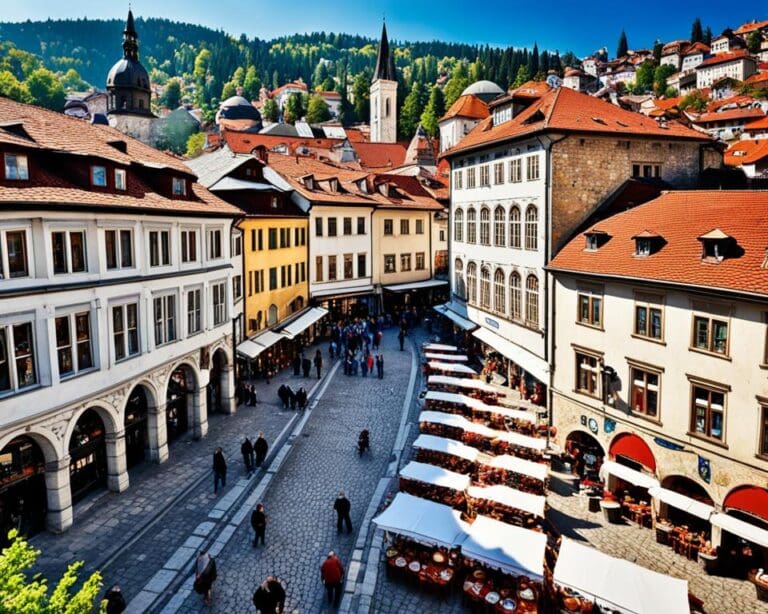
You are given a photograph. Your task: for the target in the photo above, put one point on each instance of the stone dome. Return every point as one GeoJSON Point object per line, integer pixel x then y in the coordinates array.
{"type": "Point", "coordinates": [238, 107]}
{"type": "Point", "coordinates": [128, 73]}
{"type": "Point", "coordinates": [485, 90]}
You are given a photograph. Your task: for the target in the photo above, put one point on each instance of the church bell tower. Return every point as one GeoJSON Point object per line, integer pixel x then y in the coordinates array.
{"type": "Point", "coordinates": [384, 95]}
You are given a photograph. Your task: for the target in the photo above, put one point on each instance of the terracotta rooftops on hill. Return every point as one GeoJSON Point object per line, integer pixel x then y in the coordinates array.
{"type": "Point", "coordinates": [729, 115]}
{"type": "Point", "coordinates": [747, 151]}
{"type": "Point", "coordinates": [566, 110]}
{"type": "Point", "coordinates": [468, 106]}
{"type": "Point", "coordinates": [686, 221]}
{"type": "Point", "coordinates": [378, 155]}
{"type": "Point", "coordinates": [722, 58]}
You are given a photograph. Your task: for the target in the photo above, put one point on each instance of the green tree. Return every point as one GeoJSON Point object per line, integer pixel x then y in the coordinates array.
{"type": "Point", "coordinates": [20, 593]}
{"type": "Point", "coordinates": [694, 101]}
{"type": "Point", "coordinates": [533, 61]}
{"type": "Point", "coordinates": [361, 97]}
{"type": "Point", "coordinates": [458, 82]}
{"type": "Point", "coordinates": [251, 84]}
{"type": "Point", "coordinates": [623, 46]}
{"type": "Point", "coordinates": [12, 88]}
{"type": "Point", "coordinates": [172, 94]}
{"type": "Point", "coordinates": [72, 81]}
{"type": "Point", "coordinates": [413, 107]}
{"type": "Point", "coordinates": [195, 144]}
{"type": "Point", "coordinates": [294, 108]}
{"type": "Point", "coordinates": [45, 89]}
{"type": "Point", "coordinates": [317, 110]}
{"type": "Point", "coordinates": [522, 76]}
{"type": "Point", "coordinates": [660, 75]}
{"type": "Point", "coordinates": [754, 40]}
{"type": "Point", "coordinates": [697, 33]}
{"type": "Point", "coordinates": [707, 36]}
{"type": "Point", "coordinates": [229, 90]}
{"type": "Point", "coordinates": [270, 111]}
{"type": "Point", "coordinates": [644, 77]}
{"type": "Point", "coordinates": [657, 49]}
{"type": "Point", "coordinates": [434, 110]}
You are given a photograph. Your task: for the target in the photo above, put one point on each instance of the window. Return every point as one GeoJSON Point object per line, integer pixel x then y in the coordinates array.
{"type": "Point", "coordinates": [470, 177]}
{"type": "Point", "coordinates": [273, 278]}
{"type": "Point", "coordinates": [532, 301]}
{"type": "Point", "coordinates": [405, 227]}
{"type": "Point", "coordinates": [296, 237]}
{"type": "Point", "coordinates": [188, 245]}
{"type": "Point", "coordinates": [120, 179]}
{"type": "Point", "coordinates": [68, 251]}
{"type": "Point", "coordinates": [515, 171]}
{"type": "Point", "coordinates": [219, 301]}
{"type": "Point", "coordinates": [459, 287]}
{"type": "Point", "coordinates": [485, 226]}
{"type": "Point", "coordinates": [272, 238]}
{"type": "Point", "coordinates": [73, 350]}
{"type": "Point", "coordinates": [361, 265]}
{"type": "Point", "coordinates": [707, 411]}
{"type": "Point", "coordinates": [125, 330]}
{"type": "Point", "coordinates": [15, 258]}
{"type": "Point", "coordinates": [303, 271]}
{"type": "Point", "coordinates": [763, 450]}
{"type": "Point", "coordinates": [710, 335]}
{"type": "Point", "coordinates": [16, 167]}
{"type": "Point", "coordinates": [514, 227]}
{"type": "Point", "coordinates": [347, 225]}
{"type": "Point", "coordinates": [331, 268]}
{"type": "Point", "coordinates": [165, 319]}
{"type": "Point", "coordinates": [237, 287]}
{"type": "Point", "coordinates": [642, 246]}
{"type": "Point", "coordinates": [641, 169]}
{"type": "Point", "coordinates": [405, 262]}
{"type": "Point", "coordinates": [472, 283]}
{"type": "Point", "coordinates": [389, 263]}
{"type": "Point", "coordinates": [274, 202]}
{"type": "Point", "coordinates": [388, 227]}
{"type": "Point", "coordinates": [590, 309]}
{"type": "Point", "coordinates": [285, 237]}
{"type": "Point", "coordinates": [159, 248]}
{"type": "Point", "coordinates": [17, 357]}
{"type": "Point", "coordinates": [420, 261]}
{"type": "Point", "coordinates": [471, 226]}
{"type": "Point", "coordinates": [499, 293]}
{"type": "Point", "coordinates": [458, 179]}
{"type": "Point", "coordinates": [532, 168]}
{"type": "Point", "coordinates": [261, 239]}
{"type": "Point", "coordinates": [303, 236]}
{"type": "Point", "coordinates": [179, 186]}
{"type": "Point", "coordinates": [331, 226]}
{"type": "Point", "coordinates": [485, 289]}
{"type": "Point", "coordinates": [119, 248]}
{"type": "Point", "coordinates": [587, 374]}
{"type": "Point", "coordinates": [644, 397]}
{"type": "Point", "coordinates": [419, 227]}
{"type": "Point", "coordinates": [237, 245]}
{"type": "Point", "coordinates": [499, 227]}
{"type": "Point", "coordinates": [498, 173]}
{"type": "Point", "coordinates": [99, 176]}
{"type": "Point", "coordinates": [441, 235]}
{"type": "Point", "coordinates": [458, 225]}
{"type": "Point", "coordinates": [361, 225]}
{"type": "Point", "coordinates": [484, 176]}
{"type": "Point", "coordinates": [318, 268]}
{"type": "Point", "coordinates": [272, 315]}
{"type": "Point", "coordinates": [349, 272]}
{"type": "Point", "coordinates": [591, 242]}
{"type": "Point", "coordinates": [194, 311]}
{"type": "Point", "coordinates": [531, 228]}
{"type": "Point", "coordinates": [515, 296]}
{"type": "Point", "coordinates": [648, 320]}
{"type": "Point", "coordinates": [318, 227]}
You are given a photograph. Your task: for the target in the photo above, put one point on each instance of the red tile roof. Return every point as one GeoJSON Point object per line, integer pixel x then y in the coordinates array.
{"type": "Point", "coordinates": [747, 151]}
{"type": "Point", "coordinates": [697, 48]}
{"type": "Point", "coordinates": [728, 115]}
{"type": "Point", "coordinates": [246, 142]}
{"type": "Point", "coordinates": [751, 27]}
{"type": "Point", "coordinates": [355, 135]}
{"type": "Point", "coordinates": [292, 85]}
{"type": "Point", "coordinates": [667, 103]}
{"type": "Point", "coordinates": [469, 106]}
{"type": "Point", "coordinates": [566, 110]}
{"type": "Point", "coordinates": [757, 124]}
{"type": "Point", "coordinates": [759, 77]}
{"type": "Point", "coordinates": [380, 155]}
{"type": "Point", "coordinates": [739, 100]}
{"type": "Point", "coordinates": [722, 58]}
{"type": "Point", "coordinates": [681, 217]}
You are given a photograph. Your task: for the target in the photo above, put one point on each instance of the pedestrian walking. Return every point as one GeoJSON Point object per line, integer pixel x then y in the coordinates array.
{"type": "Point", "coordinates": [364, 366]}
{"type": "Point", "coordinates": [318, 363]}
{"type": "Point", "coordinates": [252, 400]}
{"type": "Point", "coordinates": [278, 593]}
{"type": "Point", "coordinates": [332, 573]}
{"type": "Point", "coordinates": [297, 365]}
{"type": "Point", "coordinates": [260, 447]}
{"type": "Point", "coordinates": [380, 366]}
{"type": "Point", "coordinates": [342, 507]}
{"type": "Point", "coordinates": [205, 576]}
{"type": "Point", "coordinates": [259, 524]}
{"type": "Point", "coordinates": [246, 449]}
{"type": "Point", "coordinates": [306, 366]}
{"type": "Point", "coordinates": [401, 338]}
{"type": "Point", "coordinates": [269, 597]}
{"type": "Point", "coordinates": [301, 398]}
{"type": "Point", "coordinates": [114, 602]}
{"type": "Point", "coordinates": [370, 362]}
{"type": "Point", "coordinates": [219, 470]}
{"type": "Point", "coordinates": [332, 350]}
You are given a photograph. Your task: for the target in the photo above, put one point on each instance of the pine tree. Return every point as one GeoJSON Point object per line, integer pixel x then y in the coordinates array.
{"type": "Point", "coordinates": [294, 108]}
{"type": "Point", "coordinates": [697, 35]}
{"type": "Point", "coordinates": [533, 61]}
{"type": "Point", "coordinates": [522, 76]}
{"type": "Point", "coordinates": [657, 48]}
{"type": "Point", "coordinates": [317, 110]}
{"type": "Point", "coordinates": [623, 46]}
{"type": "Point", "coordinates": [270, 111]}
{"type": "Point", "coordinates": [434, 110]}
{"type": "Point", "coordinates": [708, 36]}
{"type": "Point", "coordinates": [458, 82]}
{"type": "Point", "coordinates": [413, 107]}
{"type": "Point", "coordinates": [361, 96]}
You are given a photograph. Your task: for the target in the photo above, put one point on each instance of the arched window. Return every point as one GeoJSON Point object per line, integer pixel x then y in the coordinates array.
{"type": "Point", "coordinates": [471, 226]}
{"type": "Point", "coordinates": [459, 287]}
{"type": "Point", "coordinates": [499, 227]}
{"type": "Point", "coordinates": [472, 283]}
{"type": "Point", "coordinates": [531, 228]}
{"type": "Point", "coordinates": [515, 298]}
{"type": "Point", "coordinates": [272, 315]}
{"type": "Point", "coordinates": [532, 301]}
{"type": "Point", "coordinates": [485, 226]}
{"type": "Point", "coordinates": [514, 227]}
{"type": "Point", "coordinates": [458, 225]}
{"type": "Point", "coordinates": [499, 293]}
{"type": "Point", "coordinates": [485, 288]}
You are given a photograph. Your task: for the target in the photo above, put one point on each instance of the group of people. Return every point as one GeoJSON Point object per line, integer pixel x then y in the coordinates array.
{"type": "Point", "coordinates": [365, 362]}
{"type": "Point", "coordinates": [246, 394]}
{"type": "Point", "coordinates": [303, 365]}
{"type": "Point", "coordinates": [254, 453]}
{"type": "Point", "coordinates": [291, 399]}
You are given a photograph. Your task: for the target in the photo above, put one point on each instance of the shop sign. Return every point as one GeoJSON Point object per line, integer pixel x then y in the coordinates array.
{"type": "Point", "coordinates": [491, 322]}
{"type": "Point", "coordinates": [705, 471]}
{"type": "Point", "coordinates": [609, 425]}
{"type": "Point", "coordinates": [669, 445]}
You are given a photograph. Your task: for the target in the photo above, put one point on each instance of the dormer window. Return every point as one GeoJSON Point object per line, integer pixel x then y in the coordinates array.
{"type": "Point", "coordinates": [647, 243]}
{"type": "Point", "coordinates": [179, 186]}
{"type": "Point", "coordinates": [642, 247]}
{"type": "Point", "coordinates": [715, 245]}
{"type": "Point", "coordinates": [99, 176]}
{"type": "Point", "coordinates": [120, 179]}
{"type": "Point", "coordinates": [16, 167]}
{"type": "Point", "coordinates": [309, 182]}
{"type": "Point", "coordinates": [595, 239]}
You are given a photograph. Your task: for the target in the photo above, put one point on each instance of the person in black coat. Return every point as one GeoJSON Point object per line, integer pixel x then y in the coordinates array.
{"type": "Point", "coordinates": [296, 365]}
{"type": "Point", "coordinates": [278, 593]}
{"type": "Point", "coordinates": [260, 447]}
{"type": "Point", "coordinates": [259, 524]}
{"type": "Point", "coordinates": [269, 597]}
{"type": "Point", "coordinates": [246, 449]}
{"type": "Point", "coordinates": [252, 395]}
{"type": "Point", "coordinates": [401, 338]}
{"type": "Point", "coordinates": [342, 507]}
{"type": "Point", "coordinates": [219, 470]}
{"type": "Point", "coordinates": [205, 576]}
{"type": "Point", "coordinates": [301, 398]}
{"type": "Point", "coordinates": [306, 366]}
{"type": "Point", "coordinates": [115, 602]}
{"type": "Point", "coordinates": [318, 363]}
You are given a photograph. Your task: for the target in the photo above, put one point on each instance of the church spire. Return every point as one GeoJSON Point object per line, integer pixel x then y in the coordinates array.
{"type": "Point", "coordinates": [130, 39]}
{"type": "Point", "coordinates": [385, 62]}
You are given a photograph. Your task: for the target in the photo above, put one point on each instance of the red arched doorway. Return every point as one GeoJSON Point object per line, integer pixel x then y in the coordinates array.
{"type": "Point", "coordinates": [749, 503]}
{"type": "Point", "coordinates": [689, 517]}
{"type": "Point", "coordinates": [23, 496]}
{"type": "Point", "coordinates": [630, 450]}
{"type": "Point", "coordinates": [585, 454]}
{"type": "Point", "coordinates": [88, 455]}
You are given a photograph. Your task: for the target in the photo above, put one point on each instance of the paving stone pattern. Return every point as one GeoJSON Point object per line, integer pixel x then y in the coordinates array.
{"type": "Point", "coordinates": [301, 526]}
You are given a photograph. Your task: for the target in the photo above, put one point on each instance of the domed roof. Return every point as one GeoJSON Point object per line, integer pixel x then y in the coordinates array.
{"type": "Point", "coordinates": [480, 88]}
{"type": "Point", "coordinates": [237, 107]}
{"type": "Point", "coordinates": [128, 73]}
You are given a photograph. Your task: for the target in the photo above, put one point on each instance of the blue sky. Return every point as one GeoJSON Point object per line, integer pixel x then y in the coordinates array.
{"type": "Point", "coordinates": [579, 26]}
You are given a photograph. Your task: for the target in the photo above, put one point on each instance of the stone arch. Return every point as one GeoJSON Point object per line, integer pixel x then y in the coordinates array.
{"type": "Point", "coordinates": [580, 445]}
{"type": "Point", "coordinates": [91, 465]}
{"type": "Point", "coordinates": [112, 419]}
{"type": "Point", "coordinates": [138, 409]}
{"type": "Point", "coordinates": [221, 382]}
{"type": "Point", "coordinates": [49, 443]}
{"type": "Point", "coordinates": [185, 403]}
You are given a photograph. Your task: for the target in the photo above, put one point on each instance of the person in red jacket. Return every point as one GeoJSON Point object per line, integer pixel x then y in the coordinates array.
{"type": "Point", "coordinates": [332, 573]}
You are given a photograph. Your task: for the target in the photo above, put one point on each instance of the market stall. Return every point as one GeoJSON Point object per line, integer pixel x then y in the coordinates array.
{"type": "Point", "coordinates": [434, 483]}
{"type": "Point", "coordinates": [439, 347]}
{"type": "Point", "coordinates": [454, 427]}
{"type": "Point", "coordinates": [507, 505]}
{"type": "Point", "coordinates": [433, 356]}
{"type": "Point", "coordinates": [446, 453]}
{"type": "Point", "coordinates": [519, 445]}
{"type": "Point", "coordinates": [683, 522]}
{"type": "Point", "coordinates": [458, 369]}
{"type": "Point", "coordinates": [515, 472]}
{"type": "Point", "coordinates": [476, 387]}
{"type": "Point", "coordinates": [423, 521]}
{"type": "Point", "coordinates": [628, 487]}
{"type": "Point", "coordinates": [495, 415]}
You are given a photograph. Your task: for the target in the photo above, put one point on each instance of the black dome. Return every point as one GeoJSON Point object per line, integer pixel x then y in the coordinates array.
{"type": "Point", "coordinates": [237, 107]}
{"type": "Point", "coordinates": [128, 73]}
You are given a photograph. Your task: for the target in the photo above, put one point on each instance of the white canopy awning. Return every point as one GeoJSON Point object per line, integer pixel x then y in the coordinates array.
{"type": "Point", "coordinates": [524, 441]}
{"type": "Point", "coordinates": [437, 476]}
{"type": "Point", "coordinates": [740, 528]}
{"type": "Point", "coordinates": [424, 521]}
{"type": "Point", "coordinates": [439, 417]}
{"type": "Point", "coordinates": [536, 366]}
{"type": "Point", "coordinates": [302, 323]}
{"type": "Point", "coordinates": [446, 446]}
{"type": "Point", "coordinates": [643, 480]}
{"type": "Point", "coordinates": [476, 404]}
{"type": "Point", "coordinates": [458, 320]}
{"type": "Point", "coordinates": [446, 357]}
{"type": "Point", "coordinates": [519, 465]}
{"type": "Point", "coordinates": [511, 497]}
{"type": "Point", "coordinates": [256, 345]}
{"type": "Point", "coordinates": [416, 285]}
{"type": "Point", "coordinates": [681, 502]}
{"type": "Point", "coordinates": [268, 338]}
{"type": "Point", "coordinates": [440, 347]}
{"type": "Point", "coordinates": [451, 368]}
{"type": "Point", "coordinates": [342, 291]}
{"type": "Point", "coordinates": [618, 584]}
{"type": "Point", "coordinates": [506, 547]}
{"type": "Point", "coordinates": [250, 349]}
{"type": "Point", "coordinates": [461, 382]}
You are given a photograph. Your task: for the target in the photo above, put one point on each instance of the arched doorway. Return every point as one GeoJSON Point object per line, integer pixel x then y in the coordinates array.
{"type": "Point", "coordinates": [585, 454]}
{"type": "Point", "coordinates": [630, 450]}
{"type": "Point", "coordinates": [88, 455]}
{"type": "Point", "coordinates": [685, 486]}
{"type": "Point", "coordinates": [748, 503]}
{"type": "Point", "coordinates": [178, 402]}
{"type": "Point", "coordinates": [23, 497]}
{"type": "Point", "coordinates": [217, 381]}
{"type": "Point", "coordinates": [744, 529]}
{"type": "Point", "coordinates": [136, 436]}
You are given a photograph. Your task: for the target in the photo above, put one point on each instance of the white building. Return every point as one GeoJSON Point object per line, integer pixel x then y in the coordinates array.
{"type": "Point", "coordinates": [116, 303]}
{"type": "Point", "coordinates": [384, 94]}
{"type": "Point", "coordinates": [737, 65]}
{"type": "Point", "coordinates": [465, 113]}
{"type": "Point", "coordinates": [694, 56]}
